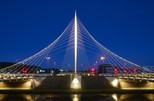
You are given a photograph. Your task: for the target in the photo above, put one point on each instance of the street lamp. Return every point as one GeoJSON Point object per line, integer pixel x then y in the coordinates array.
{"type": "Point", "coordinates": [102, 58]}
{"type": "Point", "coordinates": [48, 58]}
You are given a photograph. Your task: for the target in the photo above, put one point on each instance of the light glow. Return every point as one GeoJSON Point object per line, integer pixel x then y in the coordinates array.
{"type": "Point", "coordinates": [102, 58]}
{"type": "Point", "coordinates": [114, 96]}
{"type": "Point", "coordinates": [75, 97]}
{"type": "Point", "coordinates": [75, 84]}
{"type": "Point", "coordinates": [48, 58]}
{"type": "Point", "coordinates": [115, 82]}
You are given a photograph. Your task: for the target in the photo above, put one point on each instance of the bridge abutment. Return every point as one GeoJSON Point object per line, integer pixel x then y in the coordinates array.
{"type": "Point", "coordinates": [85, 82]}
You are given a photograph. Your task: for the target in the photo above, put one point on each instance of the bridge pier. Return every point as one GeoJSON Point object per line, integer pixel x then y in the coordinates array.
{"type": "Point", "coordinates": [75, 81]}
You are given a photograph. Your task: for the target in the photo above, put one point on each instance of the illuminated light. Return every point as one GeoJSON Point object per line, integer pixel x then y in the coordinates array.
{"type": "Point", "coordinates": [114, 96]}
{"type": "Point", "coordinates": [102, 58]}
{"type": "Point", "coordinates": [61, 70]}
{"type": "Point", "coordinates": [75, 84]}
{"type": "Point", "coordinates": [92, 70]}
{"type": "Point", "coordinates": [125, 71]}
{"type": "Point", "coordinates": [24, 71]}
{"type": "Point", "coordinates": [27, 84]}
{"type": "Point", "coordinates": [115, 70]}
{"type": "Point", "coordinates": [115, 82]}
{"type": "Point", "coordinates": [48, 58]}
{"type": "Point", "coordinates": [135, 70]}
{"type": "Point", "coordinates": [28, 97]}
{"type": "Point", "coordinates": [75, 97]}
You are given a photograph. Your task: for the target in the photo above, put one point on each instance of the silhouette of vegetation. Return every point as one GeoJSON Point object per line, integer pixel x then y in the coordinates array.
{"type": "Point", "coordinates": [5, 64]}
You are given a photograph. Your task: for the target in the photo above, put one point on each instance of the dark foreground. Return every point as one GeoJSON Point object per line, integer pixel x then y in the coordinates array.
{"type": "Point", "coordinates": [101, 91]}
{"type": "Point", "coordinates": [76, 97]}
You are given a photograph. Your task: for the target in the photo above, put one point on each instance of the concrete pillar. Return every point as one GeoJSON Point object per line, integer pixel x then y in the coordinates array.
{"type": "Point", "coordinates": [75, 81]}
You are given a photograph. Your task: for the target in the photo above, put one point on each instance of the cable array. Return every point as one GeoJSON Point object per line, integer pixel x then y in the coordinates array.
{"type": "Point", "coordinates": [90, 52]}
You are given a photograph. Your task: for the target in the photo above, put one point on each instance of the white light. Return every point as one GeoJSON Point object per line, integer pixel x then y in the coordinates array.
{"type": "Point", "coordinates": [115, 82]}
{"type": "Point", "coordinates": [75, 43]}
{"type": "Point", "coordinates": [61, 70]}
{"type": "Point", "coordinates": [114, 96]}
{"type": "Point", "coordinates": [48, 58]}
{"type": "Point", "coordinates": [75, 84]}
{"type": "Point", "coordinates": [75, 97]}
{"type": "Point", "coordinates": [102, 58]}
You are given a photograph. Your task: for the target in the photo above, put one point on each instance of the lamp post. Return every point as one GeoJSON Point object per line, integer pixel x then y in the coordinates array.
{"type": "Point", "coordinates": [102, 58]}
{"type": "Point", "coordinates": [48, 58]}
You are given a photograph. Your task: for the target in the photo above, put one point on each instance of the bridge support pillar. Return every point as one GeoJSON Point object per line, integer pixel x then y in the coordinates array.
{"type": "Point", "coordinates": [75, 81]}
{"type": "Point", "coordinates": [114, 81]}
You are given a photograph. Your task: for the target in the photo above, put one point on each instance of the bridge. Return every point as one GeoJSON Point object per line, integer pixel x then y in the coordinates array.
{"type": "Point", "coordinates": [81, 51]}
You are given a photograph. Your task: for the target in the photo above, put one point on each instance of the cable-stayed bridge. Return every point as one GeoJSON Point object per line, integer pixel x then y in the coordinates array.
{"type": "Point", "coordinates": [76, 50]}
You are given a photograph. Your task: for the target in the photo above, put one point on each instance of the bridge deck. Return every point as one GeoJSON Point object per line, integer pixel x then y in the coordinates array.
{"type": "Point", "coordinates": [141, 77]}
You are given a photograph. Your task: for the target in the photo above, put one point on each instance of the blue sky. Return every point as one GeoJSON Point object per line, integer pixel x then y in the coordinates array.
{"type": "Point", "coordinates": [125, 27]}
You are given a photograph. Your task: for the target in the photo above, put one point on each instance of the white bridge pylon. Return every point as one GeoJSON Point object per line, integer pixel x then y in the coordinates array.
{"type": "Point", "coordinates": [85, 48]}
{"type": "Point", "coordinates": [75, 43]}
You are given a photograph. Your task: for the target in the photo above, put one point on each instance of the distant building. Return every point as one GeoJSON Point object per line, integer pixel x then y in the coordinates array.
{"type": "Point", "coordinates": [105, 69]}
{"type": "Point", "coordinates": [49, 70]}
{"type": "Point", "coordinates": [109, 69]}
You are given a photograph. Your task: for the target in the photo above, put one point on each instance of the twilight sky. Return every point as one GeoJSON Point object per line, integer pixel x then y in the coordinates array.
{"type": "Point", "coordinates": [125, 27]}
